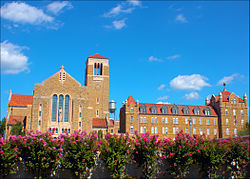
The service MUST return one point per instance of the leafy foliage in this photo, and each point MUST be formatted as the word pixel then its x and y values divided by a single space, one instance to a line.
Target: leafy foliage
pixel 145 153
pixel 116 153
pixel 39 153
pixel 80 152
pixel 17 129
pixel 178 155
pixel 2 127
pixel 8 157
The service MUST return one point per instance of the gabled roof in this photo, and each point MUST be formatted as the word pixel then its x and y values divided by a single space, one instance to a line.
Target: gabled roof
pixel 102 123
pixel 14 118
pixel 225 97
pixel 131 100
pixel 21 100
pixel 180 107
pixel 98 56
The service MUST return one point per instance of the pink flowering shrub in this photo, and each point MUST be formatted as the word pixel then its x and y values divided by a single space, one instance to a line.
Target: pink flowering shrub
pixel 208 154
pixel 79 152
pixel 236 157
pixel 38 152
pixel 116 153
pixel 145 154
pixel 8 157
pixel 178 155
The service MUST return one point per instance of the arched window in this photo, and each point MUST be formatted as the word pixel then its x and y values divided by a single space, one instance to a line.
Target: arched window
pixel 154 109
pixel 164 109
pixel 196 111
pixel 54 107
pixel 185 110
pixel 175 110
pixel 207 111
pixel 143 108
pixel 66 109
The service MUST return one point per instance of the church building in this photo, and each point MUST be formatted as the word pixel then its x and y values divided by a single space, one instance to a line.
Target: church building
pixel 61 104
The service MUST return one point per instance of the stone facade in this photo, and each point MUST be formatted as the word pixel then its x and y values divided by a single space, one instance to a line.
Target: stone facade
pixel 167 120
pixel 61 104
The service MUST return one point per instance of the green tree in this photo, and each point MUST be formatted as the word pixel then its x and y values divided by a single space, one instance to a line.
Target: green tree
pixel 245 130
pixel 100 134
pixel 17 129
pixel 2 127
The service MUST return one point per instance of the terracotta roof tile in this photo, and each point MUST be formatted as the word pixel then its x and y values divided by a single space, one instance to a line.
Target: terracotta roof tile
pixel 226 94
pixel 98 122
pixel 21 100
pixel 98 56
pixel 191 107
pixel 131 100
pixel 14 118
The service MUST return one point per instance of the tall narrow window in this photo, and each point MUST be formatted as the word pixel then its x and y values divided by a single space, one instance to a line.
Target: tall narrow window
pixel 234 113
pixel 145 119
pixel 141 120
pixel 215 131
pixel 226 121
pixel 152 130
pixel 173 130
pixel 176 121
pixel 141 129
pixel 66 109
pixel 97 113
pixel 163 131
pixel 95 69
pixel 214 121
pixel 241 112
pixel 166 130
pixel 131 129
pixel 60 107
pixel 145 129
pixel 54 107
pixel 101 69
pixel 155 130
pixel 227 131
pixel 208 132
pixel 235 131
pixel 97 100
pixel 131 118
pixel 186 130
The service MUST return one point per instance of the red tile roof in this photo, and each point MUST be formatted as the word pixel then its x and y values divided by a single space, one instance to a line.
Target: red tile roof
pixel 98 122
pixel 98 56
pixel 191 107
pixel 14 118
pixel 225 96
pixel 21 100
pixel 131 100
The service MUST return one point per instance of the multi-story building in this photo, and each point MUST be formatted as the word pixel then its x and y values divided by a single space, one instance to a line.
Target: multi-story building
pixel 61 104
pixel 223 116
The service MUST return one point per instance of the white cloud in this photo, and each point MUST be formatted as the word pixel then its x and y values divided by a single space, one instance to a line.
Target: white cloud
pixel 173 57
pixel 134 2
pixel 23 13
pixel 162 98
pixel 154 59
pixel 13 61
pixel 189 82
pixel 57 6
pixel 161 87
pixel 119 24
pixel 161 102
pixel 181 18
pixel 227 79
pixel 192 95
pixel 118 10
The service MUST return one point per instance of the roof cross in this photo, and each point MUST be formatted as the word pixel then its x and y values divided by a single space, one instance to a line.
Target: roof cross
pixel 62 67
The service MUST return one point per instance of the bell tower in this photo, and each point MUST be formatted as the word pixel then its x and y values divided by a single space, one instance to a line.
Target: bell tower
pixel 97 83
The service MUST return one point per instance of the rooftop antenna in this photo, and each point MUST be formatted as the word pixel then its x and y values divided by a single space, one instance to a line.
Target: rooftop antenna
pixel 224 84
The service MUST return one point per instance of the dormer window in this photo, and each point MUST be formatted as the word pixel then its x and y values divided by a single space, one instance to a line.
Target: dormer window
pixel 143 108
pixel 154 109
pixel 185 110
pixel 207 111
pixel 164 109
pixel 196 111
pixel 175 110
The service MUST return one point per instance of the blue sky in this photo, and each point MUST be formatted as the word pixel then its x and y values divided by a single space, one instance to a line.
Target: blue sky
pixel 160 52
